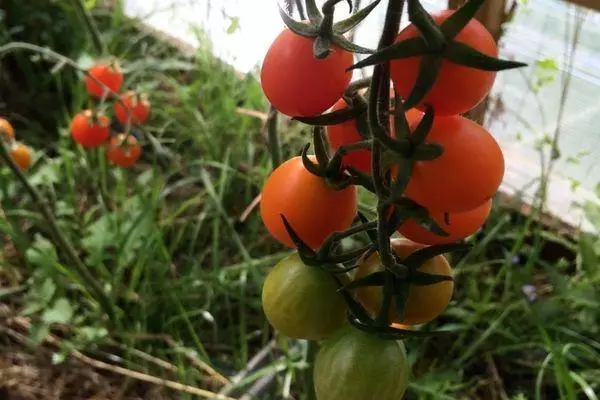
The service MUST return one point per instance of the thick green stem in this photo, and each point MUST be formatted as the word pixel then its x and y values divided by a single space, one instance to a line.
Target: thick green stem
pixel 311 355
pixel 273 137
pixel 61 238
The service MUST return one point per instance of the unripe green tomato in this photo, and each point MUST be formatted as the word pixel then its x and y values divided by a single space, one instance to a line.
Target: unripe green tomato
pixel 355 365
pixel 302 302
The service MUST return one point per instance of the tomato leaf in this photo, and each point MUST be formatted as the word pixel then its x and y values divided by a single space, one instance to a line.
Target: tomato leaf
pixel 425 24
pixel 314 15
pixel 428 151
pixel 404 49
pixel 424 279
pixel 374 279
pixel 298 28
pixel 352 21
pixel 429 69
pixel 460 53
pixel 349 46
pixel 460 18
pixel 332 118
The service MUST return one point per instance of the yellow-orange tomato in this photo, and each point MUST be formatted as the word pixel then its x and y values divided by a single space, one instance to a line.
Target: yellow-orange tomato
pixel 458 225
pixel 6 129
pixel 313 209
pixel 21 155
pixel 123 154
pixel 457 88
pixel 424 303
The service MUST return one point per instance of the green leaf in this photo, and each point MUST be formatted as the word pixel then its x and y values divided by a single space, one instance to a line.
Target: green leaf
pixel 38 332
pixel 460 53
pixel 90 334
pixel 460 18
pixel 60 313
pixel 404 49
pixel 352 21
pixel 42 252
pixel 234 25
pixel 429 69
pixel 587 257
pixel 89 4
pixel 423 279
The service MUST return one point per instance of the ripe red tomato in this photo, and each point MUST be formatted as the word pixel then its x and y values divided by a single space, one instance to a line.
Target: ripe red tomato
pixel 106 74
pixel 90 130
pixel 424 303
pixel 312 208
pixel 138 106
pixel 466 175
pixel 297 83
pixel 121 153
pixel 21 155
pixel 457 88
pixel 6 129
pixel 458 225
pixel 302 302
pixel 347 133
pixel 355 365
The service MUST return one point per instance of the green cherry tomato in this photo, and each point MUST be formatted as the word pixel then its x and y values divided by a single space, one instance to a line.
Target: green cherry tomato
pixel 302 302
pixel 355 365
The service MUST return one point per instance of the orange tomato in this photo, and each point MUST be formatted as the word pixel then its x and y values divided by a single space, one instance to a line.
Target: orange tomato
pixel 458 225
pixel 123 154
pixel 457 88
pixel 21 155
pixel 109 76
pixel 466 175
pixel 313 209
pixel 423 303
pixel 6 129
pixel 90 130
pixel 137 105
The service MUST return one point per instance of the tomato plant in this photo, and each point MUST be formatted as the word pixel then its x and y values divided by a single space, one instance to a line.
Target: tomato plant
pixel 302 302
pixel 123 150
pixel 90 130
pixel 423 303
pixel 134 106
pixel 312 208
pixel 108 75
pixel 21 155
pixel 6 129
pixel 458 225
pixel 299 84
pixel 466 175
pixel 457 88
pixel 355 365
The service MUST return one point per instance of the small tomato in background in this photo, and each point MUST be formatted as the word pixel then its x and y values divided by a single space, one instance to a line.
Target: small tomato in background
pixel 457 88
pixel 90 130
pixel 296 82
pixel 6 129
pixel 21 155
pixel 132 106
pixel 123 151
pixel 109 75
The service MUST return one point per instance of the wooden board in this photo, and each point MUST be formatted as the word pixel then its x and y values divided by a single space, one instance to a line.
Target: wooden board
pixel 593 4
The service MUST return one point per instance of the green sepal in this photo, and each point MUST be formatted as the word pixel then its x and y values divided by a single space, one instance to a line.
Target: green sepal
pixel 400 297
pixel 299 28
pixel 398 217
pixel 429 224
pixel 332 118
pixel 374 279
pixel 390 333
pixel 401 180
pixel 401 127
pixel 428 152
pixel 310 166
pixel 307 255
pixel 314 15
pixel 321 47
pixel 383 314
pixel 420 133
pixel 429 69
pixel 423 279
pixel 426 25
pixel 460 53
pixel 460 18
pixel 407 48
pixel 372 233
pixel 349 46
pixel 352 21
pixel 321 146
pixel 416 259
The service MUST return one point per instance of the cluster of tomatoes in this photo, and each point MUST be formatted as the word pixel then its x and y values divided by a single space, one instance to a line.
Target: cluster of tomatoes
pixel 92 128
pixel 20 153
pixel 456 188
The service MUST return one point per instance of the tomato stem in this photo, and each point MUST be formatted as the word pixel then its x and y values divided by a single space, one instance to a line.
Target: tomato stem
pixel 273 137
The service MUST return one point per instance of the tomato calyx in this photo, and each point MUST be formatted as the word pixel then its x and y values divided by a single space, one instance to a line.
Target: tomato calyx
pixel 325 33
pixel 435 48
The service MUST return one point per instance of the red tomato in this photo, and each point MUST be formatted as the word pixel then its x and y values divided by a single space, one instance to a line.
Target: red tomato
pixel 6 129
pixel 458 225
pixel 138 106
pixel 297 83
pixel 466 175
pixel 21 155
pixel 457 88
pixel 90 130
pixel 311 207
pixel 123 154
pixel 106 74
pixel 347 133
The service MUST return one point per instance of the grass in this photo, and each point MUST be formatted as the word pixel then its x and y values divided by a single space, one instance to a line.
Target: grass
pixel 166 243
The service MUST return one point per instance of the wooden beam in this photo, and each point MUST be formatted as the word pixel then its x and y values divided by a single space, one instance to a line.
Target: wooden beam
pixel 592 4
